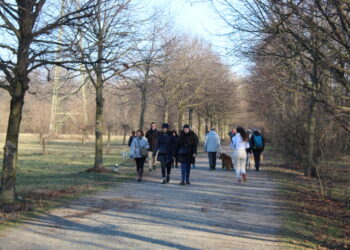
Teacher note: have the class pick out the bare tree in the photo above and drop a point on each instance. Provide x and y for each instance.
(30, 27)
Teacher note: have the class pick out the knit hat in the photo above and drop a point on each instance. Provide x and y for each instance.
(186, 126)
(165, 125)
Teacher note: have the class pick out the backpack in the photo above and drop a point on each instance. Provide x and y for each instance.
(258, 141)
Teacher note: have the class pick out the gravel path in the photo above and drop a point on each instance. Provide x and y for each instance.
(212, 213)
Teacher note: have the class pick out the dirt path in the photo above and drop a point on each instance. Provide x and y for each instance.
(212, 213)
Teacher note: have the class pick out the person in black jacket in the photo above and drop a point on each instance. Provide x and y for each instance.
(131, 138)
(176, 161)
(152, 137)
(186, 151)
(257, 145)
(165, 147)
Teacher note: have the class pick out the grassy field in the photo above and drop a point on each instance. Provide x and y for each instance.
(311, 221)
(45, 180)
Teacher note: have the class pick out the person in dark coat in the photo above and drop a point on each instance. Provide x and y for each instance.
(165, 147)
(176, 161)
(186, 151)
(257, 145)
(152, 137)
(131, 138)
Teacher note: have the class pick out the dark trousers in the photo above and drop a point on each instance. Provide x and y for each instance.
(185, 171)
(140, 162)
(212, 160)
(166, 168)
(257, 156)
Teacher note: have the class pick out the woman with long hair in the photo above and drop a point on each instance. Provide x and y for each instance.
(139, 151)
(239, 144)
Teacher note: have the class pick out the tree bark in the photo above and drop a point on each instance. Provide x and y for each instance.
(166, 113)
(99, 127)
(180, 118)
(310, 170)
(199, 126)
(190, 117)
(143, 108)
(8, 178)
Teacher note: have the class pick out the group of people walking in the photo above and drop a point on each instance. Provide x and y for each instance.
(166, 147)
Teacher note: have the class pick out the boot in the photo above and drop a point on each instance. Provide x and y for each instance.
(244, 177)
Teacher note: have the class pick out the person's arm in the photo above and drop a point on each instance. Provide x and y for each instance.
(263, 141)
(132, 148)
(156, 148)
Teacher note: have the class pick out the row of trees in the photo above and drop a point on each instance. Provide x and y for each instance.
(300, 77)
(134, 69)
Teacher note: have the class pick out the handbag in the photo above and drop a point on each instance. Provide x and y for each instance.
(143, 150)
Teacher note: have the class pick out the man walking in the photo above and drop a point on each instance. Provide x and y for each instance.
(152, 136)
(212, 146)
(257, 144)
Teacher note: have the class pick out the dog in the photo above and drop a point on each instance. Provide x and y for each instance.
(226, 161)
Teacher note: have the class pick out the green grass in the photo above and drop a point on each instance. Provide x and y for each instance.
(63, 168)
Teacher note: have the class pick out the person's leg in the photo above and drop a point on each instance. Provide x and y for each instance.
(163, 167)
(257, 154)
(214, 159)
(150, 160)
(137, 160)
(188, 171)
(183, 172)
(154, 162)
(210, 160)
(142, 164)
(236, 165)
(243, 160)
(168, 167)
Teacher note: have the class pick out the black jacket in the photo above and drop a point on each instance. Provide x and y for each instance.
(152, 137)
(131, 138)
(165, 147)
(187, 143)
(252, 142)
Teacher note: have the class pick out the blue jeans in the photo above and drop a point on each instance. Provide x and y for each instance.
(185, 171)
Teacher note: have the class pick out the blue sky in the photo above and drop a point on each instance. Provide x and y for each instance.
(201, 20)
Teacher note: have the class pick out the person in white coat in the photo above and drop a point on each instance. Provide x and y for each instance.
(138, 151)
(240, 144)
(212, 147)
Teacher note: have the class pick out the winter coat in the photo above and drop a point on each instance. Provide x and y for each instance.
(131, 138)
(212, 142)
(136, 145)
(152, 137)
(186, 143)
(252, 142)
(165, 147)
(238, 143)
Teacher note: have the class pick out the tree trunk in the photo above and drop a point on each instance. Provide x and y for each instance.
(143, 108)
(310, 170)
(180, 118)
(109, 131)
(8, 178)
(190, 117)
(99, 127)
(166, 113)
(206, 126)
(199, 126)
(124, 136)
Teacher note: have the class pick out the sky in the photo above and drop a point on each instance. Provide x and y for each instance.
(201, 20)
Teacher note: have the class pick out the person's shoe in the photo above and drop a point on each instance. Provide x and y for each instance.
(193, 166)
(182, 183)
(164, 181)
(244, 177)
(239, 180)
(154, 167)
(167, 179)
(176, 166)
(188, 183)
(150, 169)
(139, 180)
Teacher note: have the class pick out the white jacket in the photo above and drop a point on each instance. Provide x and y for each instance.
(238, 143)
(136, 145)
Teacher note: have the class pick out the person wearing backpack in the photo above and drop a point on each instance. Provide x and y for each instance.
(257, 145)
(139, 151)
(166, 149)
